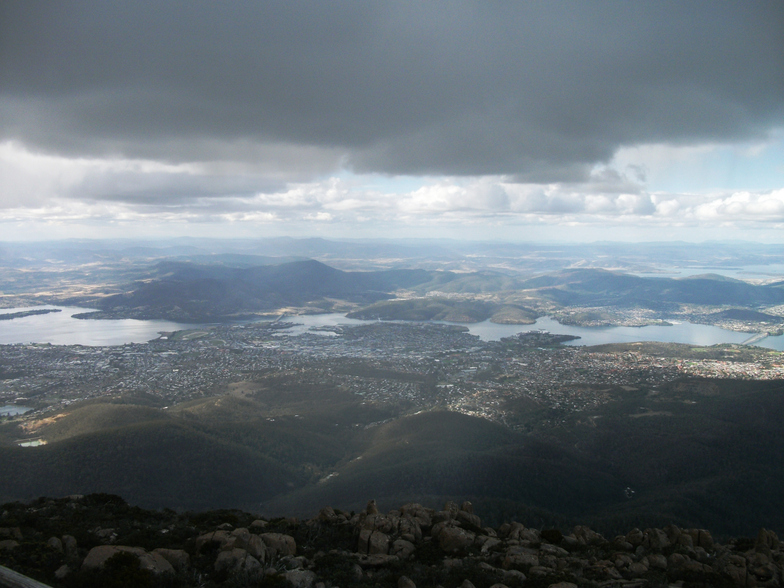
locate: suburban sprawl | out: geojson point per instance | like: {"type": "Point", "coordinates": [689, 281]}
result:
{"type": "Point", "coordinates": [410, 365]}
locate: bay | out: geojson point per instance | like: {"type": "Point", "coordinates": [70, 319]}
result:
{"type": "Point", "coordinates": [685, 332]}
{"type": "Point", "coordinates": [59, 328]}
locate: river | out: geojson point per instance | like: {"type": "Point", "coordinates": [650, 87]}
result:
{"type": "Point", "coordinates": [59, 328]}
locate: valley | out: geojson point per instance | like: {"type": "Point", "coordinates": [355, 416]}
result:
{"type": "Point", "coordinates": [393, 410]}
{"type": "Point", "coordinates": [237, 406]}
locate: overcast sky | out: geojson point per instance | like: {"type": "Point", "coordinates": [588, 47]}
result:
{"type": "Point", "coordinates": [628, 120]}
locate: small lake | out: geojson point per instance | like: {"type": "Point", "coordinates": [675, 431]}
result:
{"type": "Point", "coordinates": [13, 410]}
{"type": "Point", "coordinates": [59, 328]}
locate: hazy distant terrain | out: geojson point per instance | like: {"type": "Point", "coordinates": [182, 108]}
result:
{"type": "Point", "coordinates": [198, 281]}
{"type": "Point", "coordinates": [241, 415]}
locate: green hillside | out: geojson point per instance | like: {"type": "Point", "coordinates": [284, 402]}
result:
{"type": "Point", "coordinates": [695, 452]}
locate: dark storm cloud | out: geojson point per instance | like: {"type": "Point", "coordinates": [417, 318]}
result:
{"type": "Point", "coordinates": [537, 90]}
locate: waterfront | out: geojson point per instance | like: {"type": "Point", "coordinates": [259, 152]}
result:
{"type": "Point", "coordinates": [61, 329]}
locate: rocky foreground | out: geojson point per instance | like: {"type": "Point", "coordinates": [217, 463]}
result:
{"type": "Point", "coordinates": [98, 540]}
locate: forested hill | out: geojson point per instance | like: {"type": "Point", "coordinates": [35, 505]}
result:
{"type": "Point", "coordinates": [597, 287]}
{"type": "Point", "coordinates": [193, 292]}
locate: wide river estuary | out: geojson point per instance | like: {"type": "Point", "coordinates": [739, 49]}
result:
{"type": "Point", "coordinates": [59, 328]}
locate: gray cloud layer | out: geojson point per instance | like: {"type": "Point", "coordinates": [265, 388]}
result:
{"type": "Point", "coordinates": [539, 91]}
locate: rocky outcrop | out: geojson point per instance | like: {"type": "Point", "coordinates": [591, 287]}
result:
{"type": "Point", "coordinates": [409, 546]}
{"type": "Point", "coordinates": [153, 562]}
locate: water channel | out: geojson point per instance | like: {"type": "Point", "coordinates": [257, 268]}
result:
{"type": "Point", "coordinates": [59, 328]}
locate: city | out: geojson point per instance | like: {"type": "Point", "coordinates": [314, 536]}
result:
{"type": "Point", "coordinates": [412, 367]}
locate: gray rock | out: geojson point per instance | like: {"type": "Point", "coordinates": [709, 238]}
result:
{"type": "Point", "coordinates": [635, 537]}
{"type": "Point", "coordinates": [70, 546]}
{"type": "Point", "coordinates": [453, 539]}
{"type": "Point", "coordinates": [516, 558]}
{"type": "Point", "coordinates": [279, 544]}
{"type": "Point", "coordinates": [402, 548]}
{"type": "Point", "coordinates": [405, 582]}
{"type": "Point", "coordinates": [153, 562]}
{"type": "Point", "coordinates": [300, 578]}
{"type": "Point", "coordinates": [637, 570]}
{"type": "Point", "coordinates": [55, 544]}
{"type": "Point", "coordinates": [655, 540]}
{"type": "Point", "coordinates": [62, 572]}
{"type": "Point", "coordinates": [372, 542]}
{"type": "Point", "coordinates": [10, 533]}
{"type": "Point", "coordinates": [553, 550]}
{"type": "Point", "coordinates": [468, 519]}
{"type": "Point", "coordinates": [236, 560]}
{"type": "Point", "coordinates": [241, 537]}
{"type": "Point", "coordinates": [586, 536]}
{"type": "Point", "coordinates": [257, 548]}
{"type": "Point", "coordinates": [513, 576]}
{"type": "Point", "coordinates": [221, 537]}
{"type": "Point", "coordinates": [179, 559]}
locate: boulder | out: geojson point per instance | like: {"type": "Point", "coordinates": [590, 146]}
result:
{"type": "Point", "coordinates": [402, 548]}
{"type": "Point", "coordinates": [514, 576]}
{"type": "Point", "coordinates": [220, 537]}
{"type": "Point", "coordinates": [637, 570]}
{"type": "Point", "coordinates": [257, 548]}
{"type": "Point", "coordinates": [701, 538]}
{"type": "Point", "coordinates": [468, 520]}
{"type": "Point", "coordinates": [154, 562]}
{"type": "Point", "coordinates": [61, 572]}
{"type": "Point", "coordinates": [11, 533]}
{"type": "Point", "coordinates": [635, 537]}
{"type": "Point", "coordinates": [423, 516]}
{"type": "Point", "coordinates": [327, 515]}
{"type": "Point", "coordinates": [55, 543]}
{"type": "Point", "coordinates": [453, 539]}
{"type": "Point", "coordinates": [239, 537]}
{"type": "Point", "coordinates": [279, 544]}
{"type": "Point", "coordinates": [179, 559]}
{"type": "Point", "coordinates": [70, 546]}
{"type": "Point", "coordinates": [518, 558]}
{"type": "Point", "coordinates": [300, 578]}
{"type": "Point", "coordinates": [372, 542]}
{"type": "Point", "coordinates": [586, 536]}
{"type": "Point", "coordinates": [655, 540]}
{"type": "Point", "coordinates": [236, 560]}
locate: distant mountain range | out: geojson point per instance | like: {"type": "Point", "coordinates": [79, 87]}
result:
{"type": "Point", "coordinates": [193, 292]}
{"type": "Point", "coordinates": [597, 287]}
{"type": "Point", "coordinates": [235, 288]}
